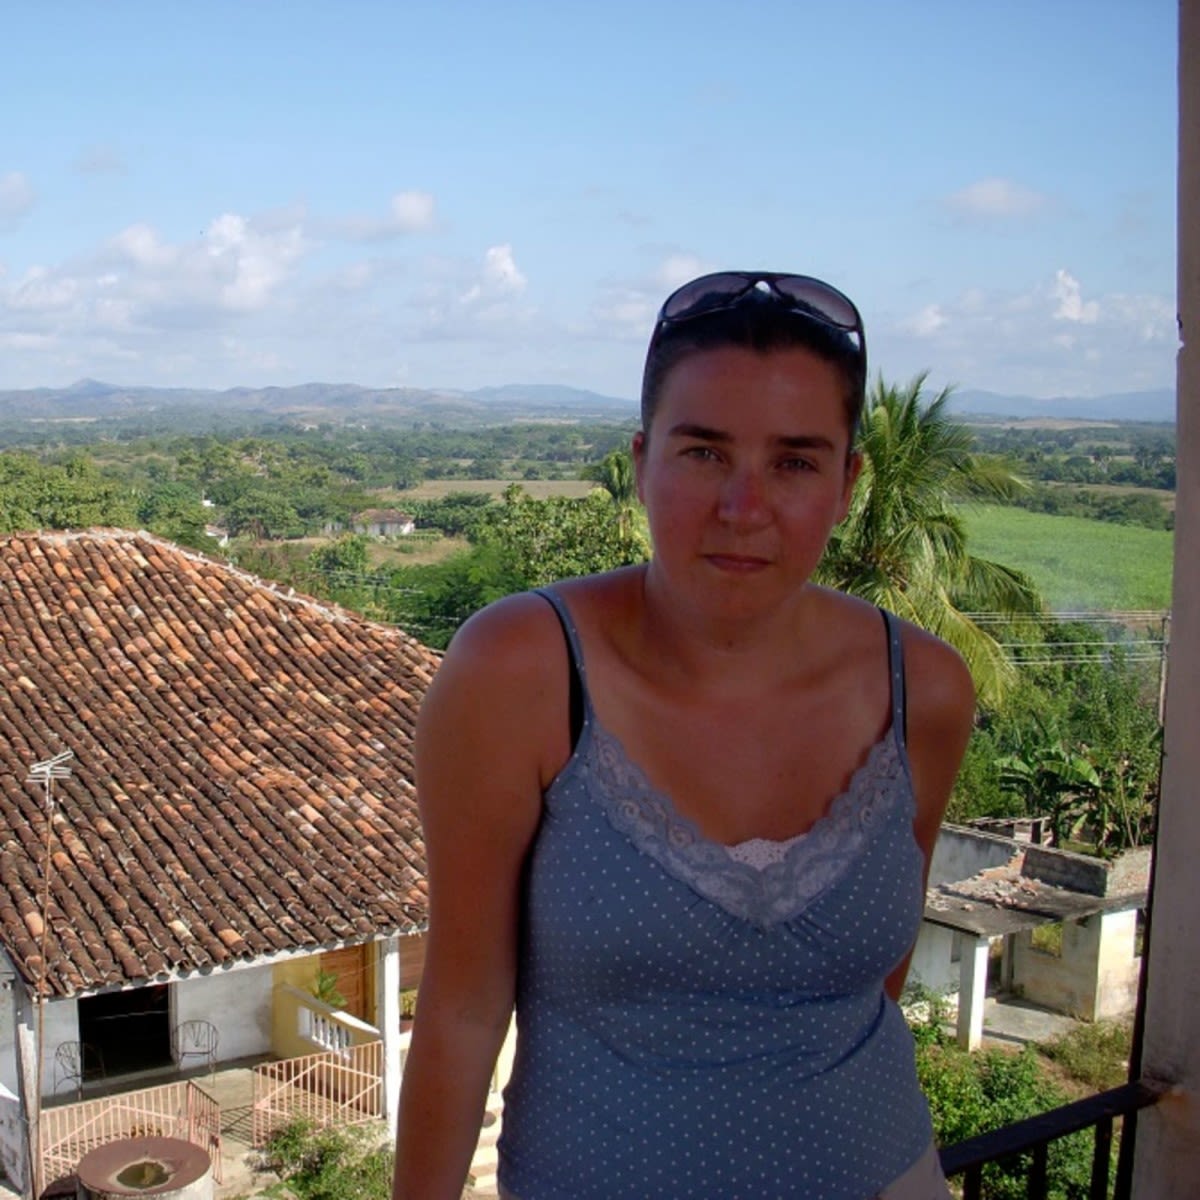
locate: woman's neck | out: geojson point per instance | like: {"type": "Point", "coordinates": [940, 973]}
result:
{"type": "Point", "coordinates": [725, 648]}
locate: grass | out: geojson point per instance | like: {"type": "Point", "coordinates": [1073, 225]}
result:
{"type": "Point", "coordinates": [539, 489]}
{"type": "Point", "coordinates": [1079, 565]}
{"type": "Point", "coordinates": [1047, 939]}
{"type": "Point", "coordinates": [419, 549]}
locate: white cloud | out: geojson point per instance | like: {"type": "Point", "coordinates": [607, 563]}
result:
{"type": "Point", "coordinates": [631, 312]}
{"type": "Point", "coordinates": [1071, 306]}
{"type": "Point", "coordinates": [1049, 338]}
{"type": "Point", "coordinates": [500, 269]}
{"type": "Point", "coordinates": [995, 199]}
{"type": "Point", "coordinates": [41, 290]}
{"type": "Point", "coordinates": [355, 277]}
{"type": "Point", "coordinates": [142, 246]}
{"type": "Point", "coordinates": [138, 283]}
{"type": "Point", "coordinates": [625, 309]}
{"type": "Point", "coordinates": [408, 213]}
{"type": "Point", "coordinates": [251, 263]}
{"type": "Point", "coordinates": [499, 276]}
{"type": "Point", "coordinates": [924, 323]}
{"type": "Point", "coordinates": [16, 198]}
{"type": "Point", "coordinates": [26, 341]}
{"type": "Point", "coordinates": [675, 270]}
{"type": "Point", "coordinates": [413, 212]}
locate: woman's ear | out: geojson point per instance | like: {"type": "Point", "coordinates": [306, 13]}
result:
{"type": "Point", "coordinates": [854, 462]}
{"type": "Point", "coordinates": [637, 449]}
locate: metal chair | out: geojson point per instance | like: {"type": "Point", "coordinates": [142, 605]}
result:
{"type": "Point", "coordinates": [195, 1039]}
{"type": "Point", "coordinates": [71, 1061]}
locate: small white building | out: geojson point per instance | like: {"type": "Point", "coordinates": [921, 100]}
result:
{"type": "Point", "coordinates": [988, 892]}
{"type": "Point", "coordinates": [383, 522]}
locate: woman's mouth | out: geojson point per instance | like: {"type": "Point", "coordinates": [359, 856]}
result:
{"type": "Point", "coordinates": [737, 563]}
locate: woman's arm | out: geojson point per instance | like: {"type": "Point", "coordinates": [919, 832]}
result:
{"type": "Point", "coordinates": [941, 713]}
{"type": "Point", "coordinates": [487, 734]}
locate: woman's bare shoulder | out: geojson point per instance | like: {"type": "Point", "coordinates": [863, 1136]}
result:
{"type": "Point", "coordinates": [939, 685]}
{"type": "Point", "coordinates": [497, 641]}
{"type": "Point", "coordinates": [506, 632]}
{"type": "Point", "coordinates": [501, 688]}
{"type": "Point", "coordinates": [940, 708]}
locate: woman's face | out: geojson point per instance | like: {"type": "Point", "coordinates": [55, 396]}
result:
{"type": "Point", "coordinates": [745, 471]}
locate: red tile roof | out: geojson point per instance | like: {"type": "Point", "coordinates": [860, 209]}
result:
{"type": "Point", "coordinates": [242, 780]}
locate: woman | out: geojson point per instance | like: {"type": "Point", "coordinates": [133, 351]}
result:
{"type": "Point", "coordinates": [682, 814]}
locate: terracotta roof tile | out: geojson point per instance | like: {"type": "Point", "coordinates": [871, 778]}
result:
{"type": "Point", "coordinates": [243, 764]}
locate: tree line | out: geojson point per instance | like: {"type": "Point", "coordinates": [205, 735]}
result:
{"type": "Point", "coordinates": [1044, 745]}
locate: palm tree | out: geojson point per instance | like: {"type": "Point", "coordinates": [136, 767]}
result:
{"type": "Point", "coordinates": [615, 474]}
{"type": "Point", "coordinates": [903, 545]}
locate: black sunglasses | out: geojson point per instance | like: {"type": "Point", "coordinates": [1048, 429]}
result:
{"type": "Point", "coordinates": [801, 294]}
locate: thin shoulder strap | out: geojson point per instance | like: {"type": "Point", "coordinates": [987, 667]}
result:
{"type": "Point", "coordinates": [578, 696]}
{"type": "Point", "coordinates": [896, 672]}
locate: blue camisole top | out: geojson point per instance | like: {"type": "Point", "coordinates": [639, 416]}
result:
{"type": "Point", "coordinates": [692, 1026]}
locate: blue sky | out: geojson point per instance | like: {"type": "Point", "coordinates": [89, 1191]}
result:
{"type": "Point", "coordinates": [460, 194]}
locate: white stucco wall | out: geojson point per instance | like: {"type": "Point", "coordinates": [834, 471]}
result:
{"type": "Point", "coordinates": [8, 1049]}
{"type": "Point", "coordinates": [237, 1002]}
{"type": "Point", "coordinates": [1119, 966]}
{"type": "Point", "coordinates": [13, 1152]}
{"type": "Point", "coordinates": [932, 962]}
{"type": "Point", "coordinates": [60, 1024]}
{"type": "Point", "coordinates": [961, 853]}
{"type": "Point", "coordinates": [1065, 982]}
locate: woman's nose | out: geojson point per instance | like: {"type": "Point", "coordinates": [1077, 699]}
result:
{"type": "Point", "coordinates": [744, 499]}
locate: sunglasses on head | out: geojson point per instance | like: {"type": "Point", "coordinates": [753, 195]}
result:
{"type": "Point", "coordinates": [801, 294]}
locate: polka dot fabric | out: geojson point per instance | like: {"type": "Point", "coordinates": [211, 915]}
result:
{"type": "Point", "coordinates": [691, 1026]}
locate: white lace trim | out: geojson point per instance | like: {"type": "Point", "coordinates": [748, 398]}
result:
{"type": "Point", "coordinates": [764, 895]}
{"type": "Point", "coordinates": [760, 853]}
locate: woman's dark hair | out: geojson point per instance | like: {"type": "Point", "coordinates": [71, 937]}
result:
{"type": "Point", "coordinates": [760, 324]}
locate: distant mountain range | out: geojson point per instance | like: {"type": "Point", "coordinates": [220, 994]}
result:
{"type": "Point", "coordinates": [348, 403]}
{"type": "Point", "coordinates": [309, 403]}
{"type": "Point", "coordinates": [1117, 406]}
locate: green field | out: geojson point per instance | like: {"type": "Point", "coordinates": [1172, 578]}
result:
{"type": "Point", "coordinates": [539, 489]}
{"type": "Point", "coordinates": [1079, 565]}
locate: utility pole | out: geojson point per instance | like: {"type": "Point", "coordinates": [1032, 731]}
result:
{"type": "Point", "coordinates": [30, 1051]}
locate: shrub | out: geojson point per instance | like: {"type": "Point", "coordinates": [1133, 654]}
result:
{"type": "Point", "coordinates": [329, 1164]}
{"type": "Point", "coordinates": [1095, 1054]}
{"type": "Point", "coordinates": [970, 1094]}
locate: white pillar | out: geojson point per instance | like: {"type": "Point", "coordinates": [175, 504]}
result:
{"type": "Point", "coordinates": [387, 1014]}
{"type": "Point", "coordinates": [29, 1057]}
{"type": "Point", "coordinates": [1167, 1160]}
{"type": "Point", "coordinates": [972, 990]}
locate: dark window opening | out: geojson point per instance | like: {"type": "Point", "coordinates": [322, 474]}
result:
{"type": "Point", "coordinates": [126, 1031]}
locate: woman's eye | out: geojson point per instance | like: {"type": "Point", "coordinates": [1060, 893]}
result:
{"type": "Point", "coordinates": [798, 464]}
{"type": "Point", "coordinates": [703, 453]}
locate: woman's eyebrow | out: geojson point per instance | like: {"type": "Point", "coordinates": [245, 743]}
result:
{"type": "Point", "coordinates": [806, 441]}
{"type": "Point", "coordinates": [703, 432]}
{"type": "Point", "coordinates": [792, 441]}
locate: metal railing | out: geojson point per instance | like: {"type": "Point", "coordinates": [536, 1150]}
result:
{"type": "Point", "coordinates": [337, 1087]}
{"type": "Point", "coordinates": [1033, 1137]}
{"type": "Point", "coordinates": [178, 1110]}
